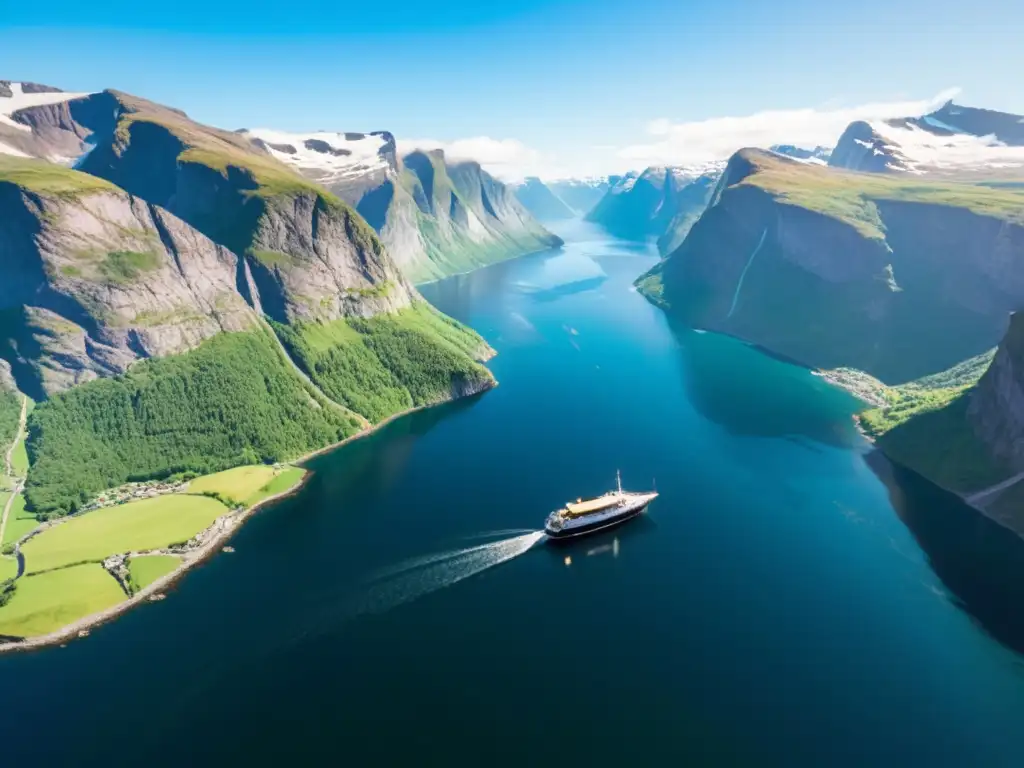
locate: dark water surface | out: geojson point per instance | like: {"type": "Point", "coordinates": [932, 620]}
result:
{"type": "Point", "coordinates": [778, 606]}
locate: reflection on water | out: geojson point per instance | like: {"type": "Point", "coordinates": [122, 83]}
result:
{"type": "Point", "coordinates": [378, 458]}
{"type": "Point", "coordinates": [749, 393]}
{"type": "Point", "coordinates": [602, 545]}
{"type": "Point", "coordinates": [565, 289]}
{"type": "Point", "coordinates": [978, 560]}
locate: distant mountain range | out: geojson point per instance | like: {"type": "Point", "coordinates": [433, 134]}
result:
{"type": "Point", "coordinates": [564, 199]}
{"type": "Point", "coordinates": [660, 202]}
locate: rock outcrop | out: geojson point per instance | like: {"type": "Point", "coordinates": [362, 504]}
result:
{"type": "Point", "coordinates": [95, 279]}
{"type": "Point", "coordinates": [996, 410]}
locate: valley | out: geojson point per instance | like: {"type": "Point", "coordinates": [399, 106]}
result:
{"type": "Point", "coordinates": [814, 352]}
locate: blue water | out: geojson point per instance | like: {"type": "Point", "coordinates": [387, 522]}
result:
{"type": "Point", "coordinates": [781, 603]}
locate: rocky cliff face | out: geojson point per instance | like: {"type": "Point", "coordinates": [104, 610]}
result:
{"type": "Point", "coordinates": [900, 282]}
{"type": "Point", "coordinates": [660, 202]}
{"type": "Point", "coordinates": [306, 250]}
{"type": "Point", "coordinates": [429, 212]}
{"type": "Point", "coordinates": [95, 279]}
{"type": "Point", "coordinates": [996, 410]}
{"type": "Point", "coordinates": [313, 259]}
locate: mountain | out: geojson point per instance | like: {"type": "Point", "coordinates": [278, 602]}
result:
{"type": "Point", "coordinates": [183, 301]}
{"type": "Point", "coordinates": [818, 155]}
{"type": "Point", "coordinates": [580, 194]}
{"type": "Point", "coordinates": [539, 200]}
{"type": "Point", "coordinates": [953, 140]}
{"type": "Point", "coordinates": [436, 217]}
{"type": "Point", "coordinates": [884, 273]}
{"type": "Point", "coordinates": [82, 259]}
{"type": "Point", "coordinates": [660, 202]}
{"type": "Point", "coordinates": [562, 199]}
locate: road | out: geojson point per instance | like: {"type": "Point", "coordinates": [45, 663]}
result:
{"type": "Point", "coordinates": [20, 482]}
{"type": "Point", "coordinates": [979, 498]}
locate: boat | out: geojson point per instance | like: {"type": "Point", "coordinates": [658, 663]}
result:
{"type": "Point", "coordinates": [583, 516]}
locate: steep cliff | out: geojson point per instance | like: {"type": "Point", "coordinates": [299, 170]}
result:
{"type": "Point", "coordinates": [885, 274]}
{"type": "Point", "coordinates": [95, 279]}
{"type": "Point", "coordinates": [142, 281]}
{"type": "Point", "coordinates": [660, 202]}
{"type": "Point", "coordinates": [435, 217]}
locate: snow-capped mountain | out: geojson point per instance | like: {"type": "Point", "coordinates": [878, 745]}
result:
{"type": "Point", "coordinates": [816, 156]}
{"type": "Point", "coordinates": [331, 158]}
{"type": "Point", "coordinates": [31, 120]}
{"type": "Point", "coordinates": [661, 202]}
{"type": "Point", "coordinates": [953, 140]}
{"type": "Point", "coordinates": [436, 217]}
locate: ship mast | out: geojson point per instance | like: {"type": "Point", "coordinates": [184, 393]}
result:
{"type": "Point", "coordinates": [618, 479]}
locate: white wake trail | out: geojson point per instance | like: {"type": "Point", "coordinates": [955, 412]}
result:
{"type": "Point", "coordinates": [420, 576]}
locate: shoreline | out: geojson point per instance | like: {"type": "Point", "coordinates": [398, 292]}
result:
{"type": "Point", "coordinates": [81, 627]}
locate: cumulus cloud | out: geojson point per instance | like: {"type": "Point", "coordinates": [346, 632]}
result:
{"type": "Point", "coordinates": [508, 159]}
{"type": "Point", "coordinates": [716, 138]}
{"type": "Point", "coordinates": [666, 142]}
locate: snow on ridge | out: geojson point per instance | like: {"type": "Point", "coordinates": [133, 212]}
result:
{"type": "Point", "coordinates": [6, 149]}
{"type": "Point", "coordinates": [345, 156]}
{"type": "Point", "coordinates": [21, 100]}
{"type": "Point", "coordinates": [920, 150]}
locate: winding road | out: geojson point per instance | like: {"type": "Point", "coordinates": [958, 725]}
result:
{"type": "Point", "coordinates": [19, 482]}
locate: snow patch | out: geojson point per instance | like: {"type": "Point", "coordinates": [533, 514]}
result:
{"type": "Point", "coordinates": [6, 149]}
{"type": "Point", "coordinates": [922, 150]}
{"type": "Point", "coordinates": [346, 156]}
{"type": "Point", "coordinates": [21, 100]}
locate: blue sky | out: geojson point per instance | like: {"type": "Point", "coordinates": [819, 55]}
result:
{"type": "Point", "coordinates": [583, 87]}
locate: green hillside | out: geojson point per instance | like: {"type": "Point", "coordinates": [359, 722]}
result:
{"type": "Point", "coordinates": [234, 400]}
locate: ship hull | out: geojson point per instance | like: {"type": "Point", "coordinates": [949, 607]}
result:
{"type": "Point", "coordinates": [599, 525]}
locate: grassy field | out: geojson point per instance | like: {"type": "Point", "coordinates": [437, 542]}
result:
{"type": "Point", "coordinates": [49, 178]}
{"type": "Point", "coordinates": [287, 479]}
{"type": "Point", "coordinates": [248, 485]}
{"type": "Point", "coordinates": [850, 196]}
{"type": "Point", "coordinates": [8, 568]}
{"type": "Point", "coordinates": [139, 526]}
{"type": "Point", "coordinates": [19, 522]}
{"type": "Point", "coordinates": [19, 458]}
{"type": "Point", "coordinates": [236, 484]}
{"type": "Point", "coordinates": [49, 601]}
{"type": "Point", "coordinates": [143, 571]}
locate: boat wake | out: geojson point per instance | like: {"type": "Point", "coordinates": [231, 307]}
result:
{"type": "Point", "coordinates": [415, 578]}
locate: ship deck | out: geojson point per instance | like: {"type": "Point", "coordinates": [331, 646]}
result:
{"type": "Point", "coordinates": [583, 507]}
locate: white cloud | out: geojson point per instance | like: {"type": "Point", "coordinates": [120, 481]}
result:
{"type": "Point", "coordinates": [508, 159]}
{"type": "Point", "coordinates": [675, 143]}
{"type": "Point", "coordinates": [717, 138]}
